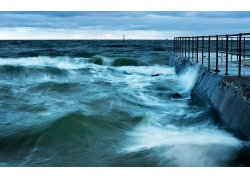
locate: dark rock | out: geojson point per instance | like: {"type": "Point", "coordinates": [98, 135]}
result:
{"type": "Point", "coordinates": [156, 74]}
{"type": "Point", "coordinates": [176, 96]}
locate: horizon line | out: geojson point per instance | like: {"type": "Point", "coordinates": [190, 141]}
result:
{"type": "Point", "coordinates": [94, 39]}
{"type": "Point", "coordinates": [91, 39]}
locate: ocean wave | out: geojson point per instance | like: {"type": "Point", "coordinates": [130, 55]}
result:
{"type": "Point", "coordinates": [73, 133]}
{"type": "Point", "coordinates": [72, 128]}
{"type": "Point", "coordinates": [25, 67]}
{"type": "Point", "coordinates": [22, 72]}
{"type": "Point", "coordinates": [127, 62]}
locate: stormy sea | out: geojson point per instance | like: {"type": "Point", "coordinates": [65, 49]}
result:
{"type": "Point", "coordinates": [105, 103]}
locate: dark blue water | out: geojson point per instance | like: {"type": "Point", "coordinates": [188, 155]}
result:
{"type": "Point", "coordinates": [96, 103]}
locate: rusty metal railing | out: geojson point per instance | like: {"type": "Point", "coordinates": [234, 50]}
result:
{"type": "Point", "coordinates": [208, 50]}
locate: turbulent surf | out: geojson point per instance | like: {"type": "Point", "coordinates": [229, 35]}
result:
{"type": "Point", "coordinates": [96, 103]}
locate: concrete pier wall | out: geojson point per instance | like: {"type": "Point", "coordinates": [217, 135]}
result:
{"type": "Point", "coordinates": [230, 98]}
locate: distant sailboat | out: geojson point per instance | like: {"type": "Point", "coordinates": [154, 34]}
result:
{"type": "Point", "coordinates": [123, 37]}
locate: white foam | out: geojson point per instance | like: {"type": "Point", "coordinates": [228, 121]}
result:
{"type": "Point", "coordinates": [180, 83]}
{"type": "Point", "coordinates": [62, 62]}
{"type": "Point", "coordinates": [197, 145]}
{"type": "Point", "coordinates": [188, 79]}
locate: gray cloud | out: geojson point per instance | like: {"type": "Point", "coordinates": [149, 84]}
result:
{"type": "Point", "coordinates": [62, 14]}
{"type": "Point", "coordinates": [190, 23]}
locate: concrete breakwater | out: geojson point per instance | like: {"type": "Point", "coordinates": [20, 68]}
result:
{"type": "Point", "coordinates": [229, 97]}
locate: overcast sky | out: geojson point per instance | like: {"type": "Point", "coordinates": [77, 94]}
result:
{"type": "Point", "coordinates": [115, 24]}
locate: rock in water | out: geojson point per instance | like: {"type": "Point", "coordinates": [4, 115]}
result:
{"type": "Point", "coordinates": [176, 96]}
{"type": "Point", "coordinates": [156, 74]}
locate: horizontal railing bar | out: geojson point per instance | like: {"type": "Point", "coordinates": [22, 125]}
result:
{"type": "Point", "coordinates": [229, 35]}
{"type": "Point", "coordinates": [229, 53]}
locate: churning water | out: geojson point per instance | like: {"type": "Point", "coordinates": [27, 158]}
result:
{"type": "Point", "coordinates": [95, 103]}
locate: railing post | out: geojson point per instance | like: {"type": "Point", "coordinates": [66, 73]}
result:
{"type": "Point", "coordinates": [178, 45]}
{"type": "Point", "coordinates": [222, 45]}
{"type": "Point", "coordinates": [197, 49]}
{"type": "Point", "coordinates": [174, 46]}
{"type": "Point", "coordinates": [182, 39]}
{"type": "Point", "coordinates": [222, 49]}
{"type": "Point", "coordinates": [217, 55]}
{"type": "Point", "coordinates": [188, 47]}
{"type": "Point", "coordinates": [185, 46]}
{"type": "Point", "coordinates": [244, 47]}
{"type": "Point", "coordinates": [208, 58]}
{"type": "Point", "coordinates": [232, 48]}
{"type": "Point", "coordinates": [226, 55]}
{"type": "Point", "coordinates": [237, 48]}
{"type": "Point", "coordinates": [202, 50]}
{"type": "Point", "coordinates": [239, 72]}
{"type": "Point", "coordinates": [192, 48]}
{"type": "Point", "coordinates": [181, 45]}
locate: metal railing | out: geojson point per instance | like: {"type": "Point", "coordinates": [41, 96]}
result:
{"type": "Point", "coordinates": [208, 50]}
